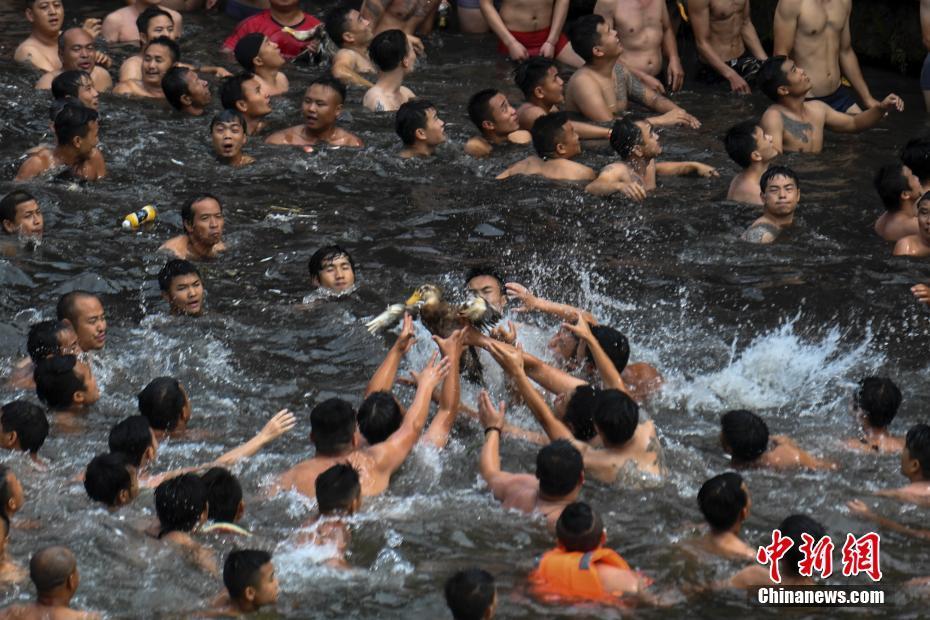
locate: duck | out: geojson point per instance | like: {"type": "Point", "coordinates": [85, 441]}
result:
{"type": "Point", "coordinates": [439, 316]}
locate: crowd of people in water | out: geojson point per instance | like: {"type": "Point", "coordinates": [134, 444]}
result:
{"type": "Point", "coordinates": [586, 398]}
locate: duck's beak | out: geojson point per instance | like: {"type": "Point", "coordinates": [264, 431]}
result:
{"type": "Point", "coordinates": [414, 299]}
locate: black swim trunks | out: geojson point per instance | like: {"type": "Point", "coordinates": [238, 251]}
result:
{"type": "Point", "coordinates": [841, 100]}
{"type": "Point", "coordinates": [747, 66]}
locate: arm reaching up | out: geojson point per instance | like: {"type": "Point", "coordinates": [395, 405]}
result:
{"type": "Point", "coordinates": [605, 367]}
{"type": "Point", "coordinates": [439, 429]}
{"type": "Point", "coordinates": [383, 379]}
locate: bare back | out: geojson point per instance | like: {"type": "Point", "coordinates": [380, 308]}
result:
{"type": "Point", "coordinates": [302, 477]}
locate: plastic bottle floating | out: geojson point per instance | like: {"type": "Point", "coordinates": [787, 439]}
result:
{"type": "Point", "coordinates": [145, 215]}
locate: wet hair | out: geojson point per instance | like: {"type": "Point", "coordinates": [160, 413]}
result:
{"type": "Point", "coordinates": [558, 467]}
{"type": "Point", "coordinates": [531, 72]}
{"type": "Point", "coordinates": [916, 156]}
{"type": "Point", "coordinates": [327, 254]}
{"type": "Point", "coordinates": [379, 416]}
{"type": "Point", "coordinates": [614, 343]}
{"type": "Point", "coordinates": [485, 270]}
{"type": "Point", "coordinates": [12, 200]}
{"type": "Point", "coordinates": [132, 437]}
{"type": "Point", "coordinates": [336, 22]}
{"type": "Point", "coordinates": [721, 499]}
{"type": "Point", "coordinates": [771, 76]}
{"type": "Point", "coordinates": [107, 474]}
{"type": "Point", "coordinates": [241, 570]}
{"type": "Point", "coordinates": [67, 305]}
{"type": "Point", "coordinates": [337, 488]}
{"type": "Point", "coordinates": [388, 49]}
{"type": "Point", "coordinates": [584, 36]}
{"type": "Point", "coordinates": [28, 421]}
{"type": "Point", "coordinates": [625, 136]}
{"type": "Point", "coordinates": [162, 402]}
{"type": "Point", "coordinates": [172, 46]}
{"type": "Point", "coordinates": [879, 398]}
{"type": "Point", "coordinates": [73, 121]}
{"type": "Point", "coordinates": [330, 82]}
{"type": "Point", "coordinates": [740, 142]}
{"type": "Point", "coordinates": [917, 442]}
{"type": "Point", "coordinates": [175, 268]}
{"type": "Point", "coordinates": [470, 593]}
{"type": "Point", "coordinates": [579, 528]}
{"type": "Point", "coordinates": [745, 433]}
{"type": "Point", "coordinates": [68, 84]}
{"type": "Point", "coordinates": [793, 527]}
{"type": "Point", "coordinates": [187, 211]}
{"type": "Point", "coordinates": [174, 85]}
{"type": "Point", "coordinates": [778, 171]}
{"type": "Point", "coordinates": [248, 48]}
{"type": "Point", "coordinates": [228, 115]}
{"type": "Point", "coordinates": [332, 425]}
{"type": "Point", "coordinates": [548, 131]}
{"type": "Point", "coordinates": [142, 22]}
{"type": "Point", "coordinates": [890, 183]}
{"type": "Point", "coordinates": [579, 413]}
{"type": "Point", "coordinates": [231, 89]}
{"type": "Point", "coordinates": [42, 340]}
{"type": "Point", "coordinates": [411, 116]}
{"type": "Point", "coordinates": [479, 106]}
{"type": "Point", "coordinates": [56, 381]}
{"type": "Point", "coordinates": [224, 494]}
{"type": "Point", "coordinates": [6, 493]}
{"type": "Point", "coordinates": [179, 503]}
{"type": "Point", "coordinates": [51, 567]}
{"type": "Point", "coordinates": [616, 416]}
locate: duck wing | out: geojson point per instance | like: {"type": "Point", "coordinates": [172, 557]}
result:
{"type": "Point", "coordinates": [386, 319]}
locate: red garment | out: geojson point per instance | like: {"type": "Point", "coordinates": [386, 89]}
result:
{"type": "Point", "coordinates": [532, 41]}
{"type": "Point", "coordinates": [572, 574]}
{"type": "Point", "coordinates": [266, 25]}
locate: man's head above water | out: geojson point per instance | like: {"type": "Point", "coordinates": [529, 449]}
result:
{"type": "Point", "coordinates": [182, 287]}
{"type": "Point", "coordinates": [331, 267]}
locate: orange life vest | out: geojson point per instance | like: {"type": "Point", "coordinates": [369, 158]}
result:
{"type": "Point", "coordinates": [572, 574]}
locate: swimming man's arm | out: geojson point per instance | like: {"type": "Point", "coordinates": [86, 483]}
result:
{"type": "Point", "coordinates": [616, 178]}
{"type": "Point", "coordinates": [589, 131]}
{"type": "Point", "coordinates": [383, 379]}
{"type": "Point", "coordinates": [848, 123]}
{"type": "Point", "coordinates": [532, 303]}
{"type": "Point", "coordinates": [610, 375]}
{"type": "Point", "coordinates": [439, 429]}
{"type": "Point", "coordinates": [857, 507]}
{"type": "Point", "coordinates": [282, 422]}
{"type": "Point", "coordinates": [774, 125]}
{"type": "Point", "coordinates": [682, 168]}
{"type": "Point", "coordinates": [785, 26]}
{"type": "Point", "coordinates": [344, 69]}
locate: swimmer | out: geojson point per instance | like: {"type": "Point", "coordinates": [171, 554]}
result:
{"type": "Point", "coordinates": [121, 26]}
{"type": "Point", "coordinates": [918, 244]}
{"type": "Point", "coordinates": [915, 466]}
{"type": "Point", "coordinates": [471, 595]}
{"type": "Point", "coordinates": [645, 32]}
{"type": "Point", "coordinates": [185, 91]}
{"type": "Point", "coordinates": [158, 56]}
{"type": "Point", "coordinates": [228, 134]}
{"type": "Point", "coordinates": [395, 59]}
{"type": "Point", "coordinates": [899, 190]}
{"type": "Point", "coordinates": [65, 384]}
{"type": "Point", "coordinates": [112, 480]}
{"type": "Point", "coordinates": [753, 150]}
{"type": "Point", "coordinates": [419, 127]}
{"type": "Point", "coordinates": [79, 52]}
{"type": "Point", "coordinates": [54, 573]}
{"type": "Point", "coordinates": [727, 43]}
{"type": "Point", "coordinates": [203, 221]}
{"type": "Point", "coordinates": [797, 123]}
{"type": "Point", "coordinates": [538, 79]}
{"type": "Point", "coordinates": [817, 37]}
{"type": "Point", "coordinates": [745, 437]}
{"type": "Point", "coordinates": [857, 507]}
{"type": "Point", "coordinates": [559, 471]}
{"type": "Point", "coordinates": [321, 107]}
{"type": "Point", "coordinates": [21, 215]}
{"type": "Point", "coordinates": [602, 88]}
{"type": "Point", "coordinates": [556, 142]}
{"type": "Point", "coordinates": [40, 49]}
{"type": "Point", "coordinates": [250, 581]}
{"type": "Point", "coordinates": [331, 267]}
{"type": "Point", "coordinates": [23, 428]}
{"type": "Point", "coordinates": [10, 571]}
{"type": "Point", "coordinates": [76, 87]}
{"type": "Point", "coordinates": [916, 156]}
{"type": "Point", "coordinates": [166, 406]}
{"type": "Point", "coordinates": [152, 23]}
{"type": "Point", "coordinates": [281, 14]}
{"type": "Point", "coordinates": [496, 121]}
{"type": "Point", "coordinates": [333, 433]}
{"type": "Point", "coordinates": [876, 404]}
{"type": "Point", "coordinates": [76, 129]}
{"type": "Point", "coordinates": [245, 94]}
{"type": "Point", "coordinates": [725, 502]}
{"type": "Point", "coordinates": [84, 312]}
{"type": "Point", "coordinates": [486, 282]}
{"type": "Point", "coordinates": [351, 33]}
{"type": "Point", "coordinates": [181, 506]}
{"type": "Point", "coordinates": [261, 56]}
{"type": "Point", "coordinates": [581, 567]}
{"type": "Point", "coordinates": [780, 194]}
{"type": "Point", "coordinates": [757, 575]}
{"type": "Point", "coordinates": [527, 29]}
{"type": "Point", "coordinates": [338, 496]}
{"type": "Point", "coordinates": [12, 496]}
{"type": "Point", "coordinates": [182, 287]}
{"type": "Point", "coordinates": [410, 17]}
{"type": "Point", "coordinates": [226, 506]}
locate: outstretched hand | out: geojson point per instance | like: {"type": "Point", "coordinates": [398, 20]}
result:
{"type": "Point", "coordinates": [407, 337]}
{"type": "Point", "coordinates": [433, 373]}
{"type": "Point", "coordinates": [488, 414]}
{"type": "Point", "coordinates": [281, 423]}
{"type": "Point", "coordinates": [452, 345]}
{"type": "Point", "coordinates": [505, 334]}
{"type": "Point", "coordinates": [858, 507]}
{"type": "Point", "coordinates": [510, 358]}
{"type": "Point", "coordinates": [922, 293]}
{"type": "Point", "coordinates": [528, 301]}
{"type": "Point", "coordinates": [580, 328]}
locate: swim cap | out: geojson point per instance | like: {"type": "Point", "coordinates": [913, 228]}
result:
{"type": "Point", "coordinates": [247, 49]}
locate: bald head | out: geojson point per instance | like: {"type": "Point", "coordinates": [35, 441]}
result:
{"type": "Point", "coordinates": [74, 36]}
{"type": "Point", "coordinates": [50, 568]}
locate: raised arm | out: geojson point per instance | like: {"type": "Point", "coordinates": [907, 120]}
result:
{"type": "Point", "coordinates": [857, 507]}
{"type": "Point", "coordinates": [383, 379]}
{"type": "Point", "coordinates": [683, 168]}
{"type": "Point", "coordinates": [849, 65]}
{"type": "Point", "coordinates": [610, 374]}
{"type": "Point", "coordinates": [439, 429]}
{"type": "Point", "coordinates": [531, 303]}
{"type": "Point", "coordinates": [785, 26]}
{"type": "Point", "coordinates": [281, 423]}
{"type": "Point", "coordinates": [489, 463]}
{"type": "Point", "coordinates": [615, 178]}
{"type": "Point", "coordinates": [699, 12]}
{"type": "Point", "coordinates": [849, 123]}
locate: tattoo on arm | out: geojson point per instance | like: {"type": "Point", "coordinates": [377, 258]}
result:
{"type": "Point", "coordinates": [634, 87]}
{"type": "Point", "coordinates": [800, 131]}
{"type": "Point", "coordinates": [759, 233]}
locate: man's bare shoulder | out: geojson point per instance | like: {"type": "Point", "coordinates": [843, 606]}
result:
{"type": "Point", "coordinates": [177, 246]}
{"type": "Point", "coordinates": [45, 82]}
{"type": "Point", "coordinates": [30, 52]}
{"type": "Point", "coordinates": [527, 115]}
{"type": "Point", "coordinates": [478, 147]}
{"type": "Point", "coordinates": [346, 138]}
{"type": "Point", "coordinates": [789, 8]}
{"type": "Point", "coordinates": [751, 576]}
{"type": "Point", "coordinates": [744, 190]}
{"type": "Point", "coordinates": [37, 163]}
{"type": "Point", "coordinates": [285, 136]}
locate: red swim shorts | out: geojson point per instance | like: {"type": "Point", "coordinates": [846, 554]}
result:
{"type": "Point", "coordinates": [532, 41]}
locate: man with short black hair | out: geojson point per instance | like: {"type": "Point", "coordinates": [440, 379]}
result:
{"type": "Point", "coordinates": [752, 149]}
{"type": "Point", "coordinates": [186, 91]}
{"type": "Point", "coordinates": [420, 129]}
{"type": "Point", "coordinates": [725, 502]}
{"type": "Point", "coordinates": [915, 466]}
{"type": "Point", "coordinates": [76, 130]}
{"type": "Point", "coordinates": [321, 107]}
{"type": "Point", "coordinates": [121, 25]}
{"type": "Point", "coordinates": [76, 87]}
{"type": "Point", "coordinates": [876, 404]}
{"type": "Point", "coordinates": [331, 267]}
{"type": "Point", "coordinates": [182, 287]}
{"type": "Point", "coordinates": [496, 121]}
{"type": "Point", "coordinates": [165, 404]}
{"type": "Point", "coordinates": [153, 22]}
{"type": "Point", "coordinates": [112, 479]}
{"type": "Point", "coordinates": [471, 595]}
{"type": "Point", "coordinates": [745, 437]}
{"type": "Point", "coordinates": [351, 32]}
{"type": "Point", "coordinates": [260, 55]}
{"type": "Point", "coordinates": [486, 282]}
{"type": "Point", "coordinates": [228, 134]}
{"type": "Point", "coordinates": [780, 194]}
{"type": "Point", "coordinates": [84, 312]}
{"type": "Point", "coordinates": [20, 215]}
{"type": "Point", "coordinates": [246, 94]}
{"type": "Point", "coordinates": [538, 78]}
{"type": "Point", "coordinates": [78, 52]}
{"type": "Point", "coordinates": [23, 427]}
{"type": "Point", "coordinates": [203, 221]}
{"type": "Point", "coordinates": [65, 384]}
{"type": "Point", "coordinates": [158, 56]}
{"type": "Point", "coordinates": [394, 56]}
{"type": "Point", "coordinates": [899, 190]}
{"type": "Point", "coordinates": [794, 527]}
{"type": "Point", "coordinates": [556, 143]}
{"type": "Point", "coordinates": [40, 49]}
{"type": "Point", "coordinates": [250, 581]}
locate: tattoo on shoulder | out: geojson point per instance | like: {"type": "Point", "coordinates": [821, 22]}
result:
{"type": "Point", "coordinates": [379, 107]}
{"type": "Point", "coordinates": [800, 131]}
{"type": "Point", "coordinates": [759, 232]}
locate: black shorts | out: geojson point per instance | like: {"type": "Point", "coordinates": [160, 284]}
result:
{"type": "Point", "coordinates": [747, 66]}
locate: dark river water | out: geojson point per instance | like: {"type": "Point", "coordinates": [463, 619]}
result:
{"type": "Point", "coordinates": [786, 331]}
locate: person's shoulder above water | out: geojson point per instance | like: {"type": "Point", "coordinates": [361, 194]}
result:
{"type": "Point", "coordinates": [761, 231]}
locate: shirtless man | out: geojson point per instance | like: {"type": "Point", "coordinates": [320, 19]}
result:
{"type": "Point", "coordinates": [757, 575]}
{"type": "Point", "coordinates": [120, 25]}
{"type": "Point", "coordinates": [919, 244]}
{"type": "Point", "coordinates": [244, 94]}
{"type": "Point", "coordinates": [334, 432]}
{"type": "Point", "coordinates": [725, 502]}
{"type": "Point", "coordinates": [645, 31]}
{"type": "Point", "coordinates": [727, 42]}
{"type": "Point", "coordinates": [753, 150]}
{"type": "Point", "coordinates": [556, 143]}
{"type": "Point", "coordinates": [76, 130]}
{"type": "Point", "coordinates": [531, 28]}
{"type": "Point", "coordinates": [559, 471]}
{"type": "Point", "coordinates": [745, 437]}
{"type": "Point", "coordinates": [40, 49]}
{"type": "Point", "coordinates": [260, 55]}
{"type": "Point", "coordinates": [394, 56]}
{"type": "Point", "coordinates": [202, 217]}
{"type": "Point", "coordinates": [815, 34]}
{"type": "Point", "coordinates": [411, 16]}
{"type": "Point", "coordinates": [601, 88]}
{"type": "Point", "coordinates": [496, 120]}
{"type": "Point", "coordinates": [322, 104]}
{"type": "Point", "coordinates": [84, 312]}
{"type": "Point", "coordinates": [54, 572]}
{"type": "Point", "coordinates": [351, 33]}
{"type": "Point", "coordinates": [915, 466]}
{"type": "Point", "coordinates": [796, 123]}
{"type": "Point", "coordinates": [780, 194]}
{"type": "Point", "coordinates": [876, 404]}
{"type": "Point", "coordinates": [78, 52]}
{"type": "Point", "coordinates": [228, 135]}
{"type": "Point", "coordinates": [159, 55]}
{"type": "Point", "coordinates": [153, 22]}
{"type": "Point", "coordinates": [420, 129]}
{"type": "Point", "coordinates": [899, 189]}
{"type": "Point", "coordinates": [538, 78]}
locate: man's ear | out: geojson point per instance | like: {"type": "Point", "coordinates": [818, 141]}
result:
{"type": "Point", "coordinates": [779, 90]}
{"type": "Point", "coordinates": [420, 134]}
{"type": "Point", "coordinates": [30, 16]}
{"type": "Point", "coordinates": [9, 227]}
{"type": "Point", "coordinates": [186, 100]}
{"type": "Point", "coordinates": [122, 498]}
{"type": "Point", "coordinates": [638, 150]}
{"type": "Point", "coordinates": [248, 594]}
{"type": "Point", "coordinates": [242, 106]}
{"type": "Point", "coordinates": [755, 156]}
{"type": "Point", "coordinates": [487, 126]}
{"type": "Point", "coordinates": [12, 439]}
